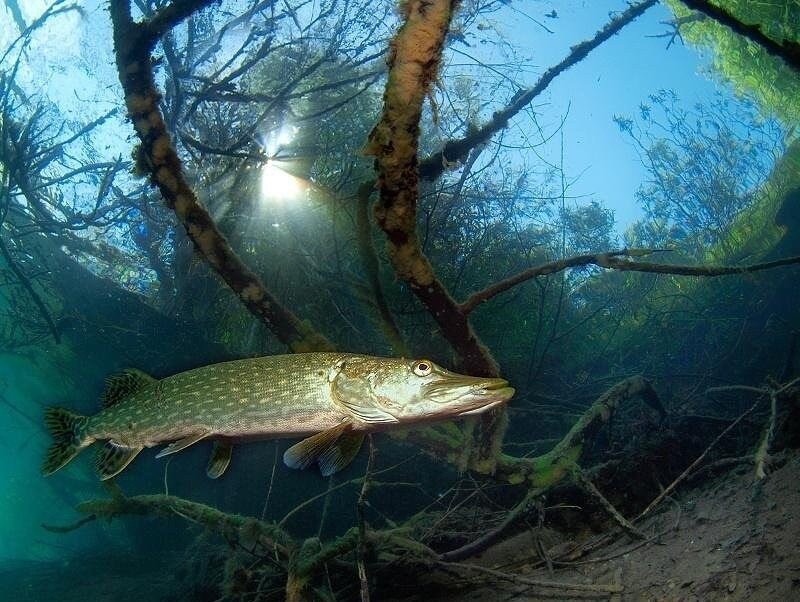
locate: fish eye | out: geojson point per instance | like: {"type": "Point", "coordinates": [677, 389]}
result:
{"type": "Point", "coordinates": [422, 367]}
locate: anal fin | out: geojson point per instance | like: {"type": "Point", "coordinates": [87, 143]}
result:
{"type": "Point", "coordinates": [220, 458]}
{"type": "Point", "coordinates": [180, 444]}
{"type": "Point", "coordinates": [332, 449]}
{"type": "Point", "coordinates": [112, 459]}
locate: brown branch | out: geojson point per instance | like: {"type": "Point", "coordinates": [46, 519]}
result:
{"type": "Point", "coordinates": [457, 150]}
{"type": "Point", "coordinates": [132, 44]}
{"type": "Point", "coordinates": [168, 17]}
{"type": "Point", "coordinates": [413, 64]}
{"type": "Point", "coordinates": [614, 261]}
{"type": "Point", "coordinates": [479, 545]}
{"type": "Point", "coordinates": [369, 260]}
{"type": "Point", "coordinates": [231, 526]}
{"type": "Point", "coordinates": [516, 578]}
{"type": "Point", "coordinates": [787, 50]}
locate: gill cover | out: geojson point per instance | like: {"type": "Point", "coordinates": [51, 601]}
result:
{"type": "Point", "coordinates": [352, 388]}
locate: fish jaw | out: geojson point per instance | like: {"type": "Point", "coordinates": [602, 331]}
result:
{"type": "Point", "coordinates": [457, 397]}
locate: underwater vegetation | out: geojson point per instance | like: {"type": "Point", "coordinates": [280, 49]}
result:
{"type": "Point", "coordinates": [388, 232]}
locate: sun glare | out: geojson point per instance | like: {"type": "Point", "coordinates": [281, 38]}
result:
{"type": "Point", "coordinates": [279, 185]}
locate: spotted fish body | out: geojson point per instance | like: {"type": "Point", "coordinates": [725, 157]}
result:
{"type": "Point", "coordinates": [331, 398]}
{"type": "Point", "coordinates": [285, 395]}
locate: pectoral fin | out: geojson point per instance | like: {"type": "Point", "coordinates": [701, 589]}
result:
{"type": "Point", "coordinates": [112, 459]}
{"type": "Point", "coordinates": [220, 459]}
{"type": "Point", "coordinates": [332, 449]}
{"type": "Point", "coordinates": [180, 444]}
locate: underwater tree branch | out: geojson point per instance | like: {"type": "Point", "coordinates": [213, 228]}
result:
{"type": "Point", "coordinates": [158, 156]}
{"type": "Point", "coordinates": [514, 578]}
{"type": "Point", "coordinates": [369, 259]}
{"type": "Point", "coordinates": [231, 526]}
{"type": "Point", "coordinates": [457, 150]}
{"type": "Point", "coordinates": [479, 545]}
{"type": "Point", "coordinates": [787, 50]}
{"type": "Point", "coordinates": [585, 482]}
{"type": "Point", "coordinates": [557, 464]}
{"type": "Point", "coordinates": [361, 548]}
{"type": "Point", "coordinates": [169, 16]}
{"type": "Point", "coordinates": [614, 261]}
{"type": "Point", "coordinates": [394, 142]}
{"type": "Point", "coordinates": [71, 527]}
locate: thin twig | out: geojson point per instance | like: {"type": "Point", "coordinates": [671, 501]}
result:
{"type": "Point", "coordinates": [28, 286]}
{"type": "Point", "coordinates": [616, 260]}
{"type": "Point", "coordinates": [585, 482]}
{"type": "Point", "coordinates": [699, 459]}
{"type": "Point", "coordinates": [271, 481]}
{"type": "Point", "coordinates": [577, 587]}
{"type": "Point", "coordinates": [362, 527]}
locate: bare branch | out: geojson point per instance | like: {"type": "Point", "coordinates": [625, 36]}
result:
{"type": "Point", "coordinates": [168, 17]}
{"type": "Point", "coordinates": [161, 160]}
{"type": "Point", "coordinates": [394, 143]}
{"type": "Point", "coordinates": [457, 150]}
{"type": "Point", "coordinates": [787, 50]}
{"type": "Point", "coordinates": [613, 261]}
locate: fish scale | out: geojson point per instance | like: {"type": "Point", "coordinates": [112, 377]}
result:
{"type": "Point", "coordinates": [331, 398]}
{"type": "Point", "coordinates": [261, 396]}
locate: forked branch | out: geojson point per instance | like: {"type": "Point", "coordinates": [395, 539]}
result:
{"type": "Point", "coordinates": [457, 150]}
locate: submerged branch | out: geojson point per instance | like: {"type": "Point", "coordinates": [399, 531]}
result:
{"type": "Point", "coordinates": [457, 150]}
{"type": "Point", "coordinates": [787, 50]}
{"type": "Point", "coordinates": [71, 527]}
{"type": "Point", "coordinates": [481, 544]}
{"type": "Point", "coordinates": [394, 141]}
{"type": "Point", "coordinates": [230, 526]}
{"type": "Point", "coordinates": [132, 44]}
{"type": "Point", "coordinates": [514, 578]}
{"type": "Point", "coordinates": [614, 260]}
{"type": "Point", "coordinates": [369, 259]}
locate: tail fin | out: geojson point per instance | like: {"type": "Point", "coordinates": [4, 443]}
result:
{"type": "Point", "coordinates": [69, 438]}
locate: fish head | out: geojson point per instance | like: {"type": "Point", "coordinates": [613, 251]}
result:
{"type": "Point", "coordinates": [401, 391]}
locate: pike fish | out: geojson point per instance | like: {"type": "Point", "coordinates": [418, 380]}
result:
{"type": "Point", "coordinates": [331, 399]}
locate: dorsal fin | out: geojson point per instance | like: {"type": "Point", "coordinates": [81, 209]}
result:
{"type": "Point", "coordinates": [124, 384]}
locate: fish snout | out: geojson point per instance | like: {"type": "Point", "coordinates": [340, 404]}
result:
{"type": "Point", "coordinates": [489, 386]}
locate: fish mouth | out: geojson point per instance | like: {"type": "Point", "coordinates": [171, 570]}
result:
{"type": "Point", "coordinates": [484, 408]}
{"type": "Point", "coordinates": [490, 386]}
